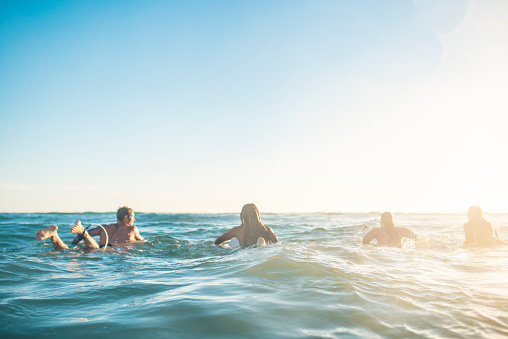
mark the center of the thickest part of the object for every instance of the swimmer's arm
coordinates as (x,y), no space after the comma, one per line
(271,236)
(409,234)
(227,236)
(95,231)
(367,238)
(138,236)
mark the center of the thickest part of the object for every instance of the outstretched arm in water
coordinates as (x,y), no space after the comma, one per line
(367,238)
(405,233)
(232,233)
(272,238)
(138,236)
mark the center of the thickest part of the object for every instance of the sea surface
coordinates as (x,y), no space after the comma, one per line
(318,282)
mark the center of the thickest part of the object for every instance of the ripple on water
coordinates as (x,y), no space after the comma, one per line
(318,282)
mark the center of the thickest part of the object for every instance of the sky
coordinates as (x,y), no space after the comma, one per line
(297,106)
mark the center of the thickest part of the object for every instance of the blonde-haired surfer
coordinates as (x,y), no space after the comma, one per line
(251,231)
(479,231)
(388,234)
(123,231)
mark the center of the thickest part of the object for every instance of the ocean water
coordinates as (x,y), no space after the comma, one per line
(318,282)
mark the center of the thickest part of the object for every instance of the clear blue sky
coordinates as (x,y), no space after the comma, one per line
(202,106)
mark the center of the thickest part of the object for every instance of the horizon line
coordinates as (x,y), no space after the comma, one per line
(236,212)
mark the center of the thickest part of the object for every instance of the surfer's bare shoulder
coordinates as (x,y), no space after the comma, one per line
(235,232)
(125,234)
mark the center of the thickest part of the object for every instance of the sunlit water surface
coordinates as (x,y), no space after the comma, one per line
(318,282)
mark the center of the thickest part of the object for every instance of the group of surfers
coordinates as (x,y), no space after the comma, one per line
(253,233)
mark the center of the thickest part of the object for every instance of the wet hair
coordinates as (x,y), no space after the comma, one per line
(254,228)
(123,211)
(389,225)
(475,213)
(477,219)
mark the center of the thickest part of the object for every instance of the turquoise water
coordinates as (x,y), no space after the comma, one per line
(318,282)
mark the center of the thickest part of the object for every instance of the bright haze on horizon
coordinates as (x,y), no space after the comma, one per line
(297,106)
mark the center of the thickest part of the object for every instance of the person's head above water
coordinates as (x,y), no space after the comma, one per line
(251,220)
(125,215)
(251,231)
(387,220)
(475,213)
(250,214)
(388,234)
(388,224)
